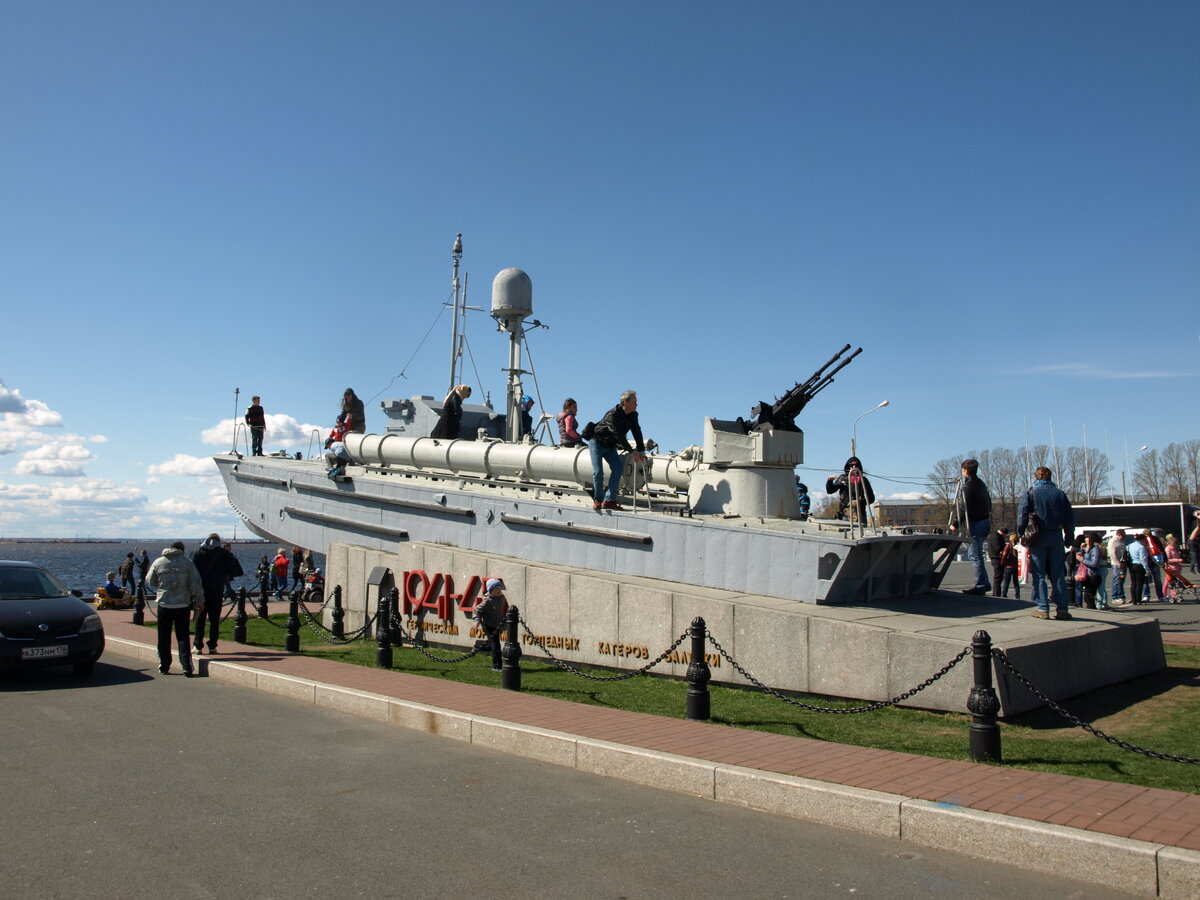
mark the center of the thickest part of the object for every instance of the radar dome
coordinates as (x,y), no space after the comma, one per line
(512,295)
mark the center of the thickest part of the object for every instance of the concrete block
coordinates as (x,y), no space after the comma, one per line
(847,659)
(594,617)
(354,703)
(1178,873)
(648,767)
(430,720)
(1113,862)
(872,812)
(285,686)
(772,644)
(547,606)
(522,740)
(914,657)
(644,620)
(139,651)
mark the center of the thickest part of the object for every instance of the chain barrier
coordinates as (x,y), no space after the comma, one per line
(871,707)
(574,670)
(327,636)
(1086,726)
(399,626)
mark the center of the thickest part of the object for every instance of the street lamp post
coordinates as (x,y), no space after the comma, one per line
(854,428)
(1125,496)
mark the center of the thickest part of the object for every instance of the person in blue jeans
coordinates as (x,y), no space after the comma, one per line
(974,512)
(1047,557)
(607,443)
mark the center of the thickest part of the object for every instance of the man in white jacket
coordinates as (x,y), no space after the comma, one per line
(176,580)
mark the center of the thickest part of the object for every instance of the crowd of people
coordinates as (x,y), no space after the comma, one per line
(194,588)
(1058,565)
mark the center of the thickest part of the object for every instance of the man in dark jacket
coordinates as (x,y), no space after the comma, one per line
(973,511)
(609,440)
(216,566)
(1047,557)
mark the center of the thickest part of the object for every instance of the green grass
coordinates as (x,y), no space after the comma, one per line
(1160,712)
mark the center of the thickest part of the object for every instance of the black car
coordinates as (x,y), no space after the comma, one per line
(42,623)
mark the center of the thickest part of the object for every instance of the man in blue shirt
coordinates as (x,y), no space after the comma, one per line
(1047,556)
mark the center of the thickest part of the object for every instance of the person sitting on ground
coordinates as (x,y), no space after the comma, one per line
(111,588)
(568,425)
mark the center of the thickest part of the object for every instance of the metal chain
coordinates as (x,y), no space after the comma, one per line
(1086,726)
(880,704)
(398,625)
(327,636)
(562,664)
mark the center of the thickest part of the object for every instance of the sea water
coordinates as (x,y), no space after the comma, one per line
(82,565)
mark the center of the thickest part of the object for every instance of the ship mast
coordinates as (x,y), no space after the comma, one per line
(460,318)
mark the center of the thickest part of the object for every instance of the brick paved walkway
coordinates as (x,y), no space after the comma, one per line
(1160,816)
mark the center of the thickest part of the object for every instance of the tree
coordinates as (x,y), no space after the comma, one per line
(1147,478)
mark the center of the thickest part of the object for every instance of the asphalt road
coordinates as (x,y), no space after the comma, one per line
(140,785)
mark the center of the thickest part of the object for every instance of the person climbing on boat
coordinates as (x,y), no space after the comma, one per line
(609,436)
(354,418)
(450,424)
(568,425)
(853,480)
(803,499)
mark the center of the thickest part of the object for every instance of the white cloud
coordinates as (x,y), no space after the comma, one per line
(55,459)
(182,464)
(1091,370)
(909,495)
(11,401)
(282,431)
(98,492)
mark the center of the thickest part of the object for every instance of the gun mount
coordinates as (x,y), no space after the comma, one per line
(781,414)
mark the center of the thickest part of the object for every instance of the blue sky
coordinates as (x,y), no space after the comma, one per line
(997,202)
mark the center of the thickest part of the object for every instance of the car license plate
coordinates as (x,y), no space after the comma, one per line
(43,652)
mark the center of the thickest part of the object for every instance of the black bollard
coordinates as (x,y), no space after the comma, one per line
(239,618)
(383,634)
(139,605)
(394,635)
(263,588)
(699,706)
(510,667)
(983,703)
(291,643)
(339,629)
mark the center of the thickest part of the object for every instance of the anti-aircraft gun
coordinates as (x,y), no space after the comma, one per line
(782,413)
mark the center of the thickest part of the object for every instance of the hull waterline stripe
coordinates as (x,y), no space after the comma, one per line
(628,537)
(348,523)
(386,501)
(260,479)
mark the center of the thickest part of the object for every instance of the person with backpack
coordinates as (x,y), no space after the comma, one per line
(1056,531)
(608,441)
(217,566)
